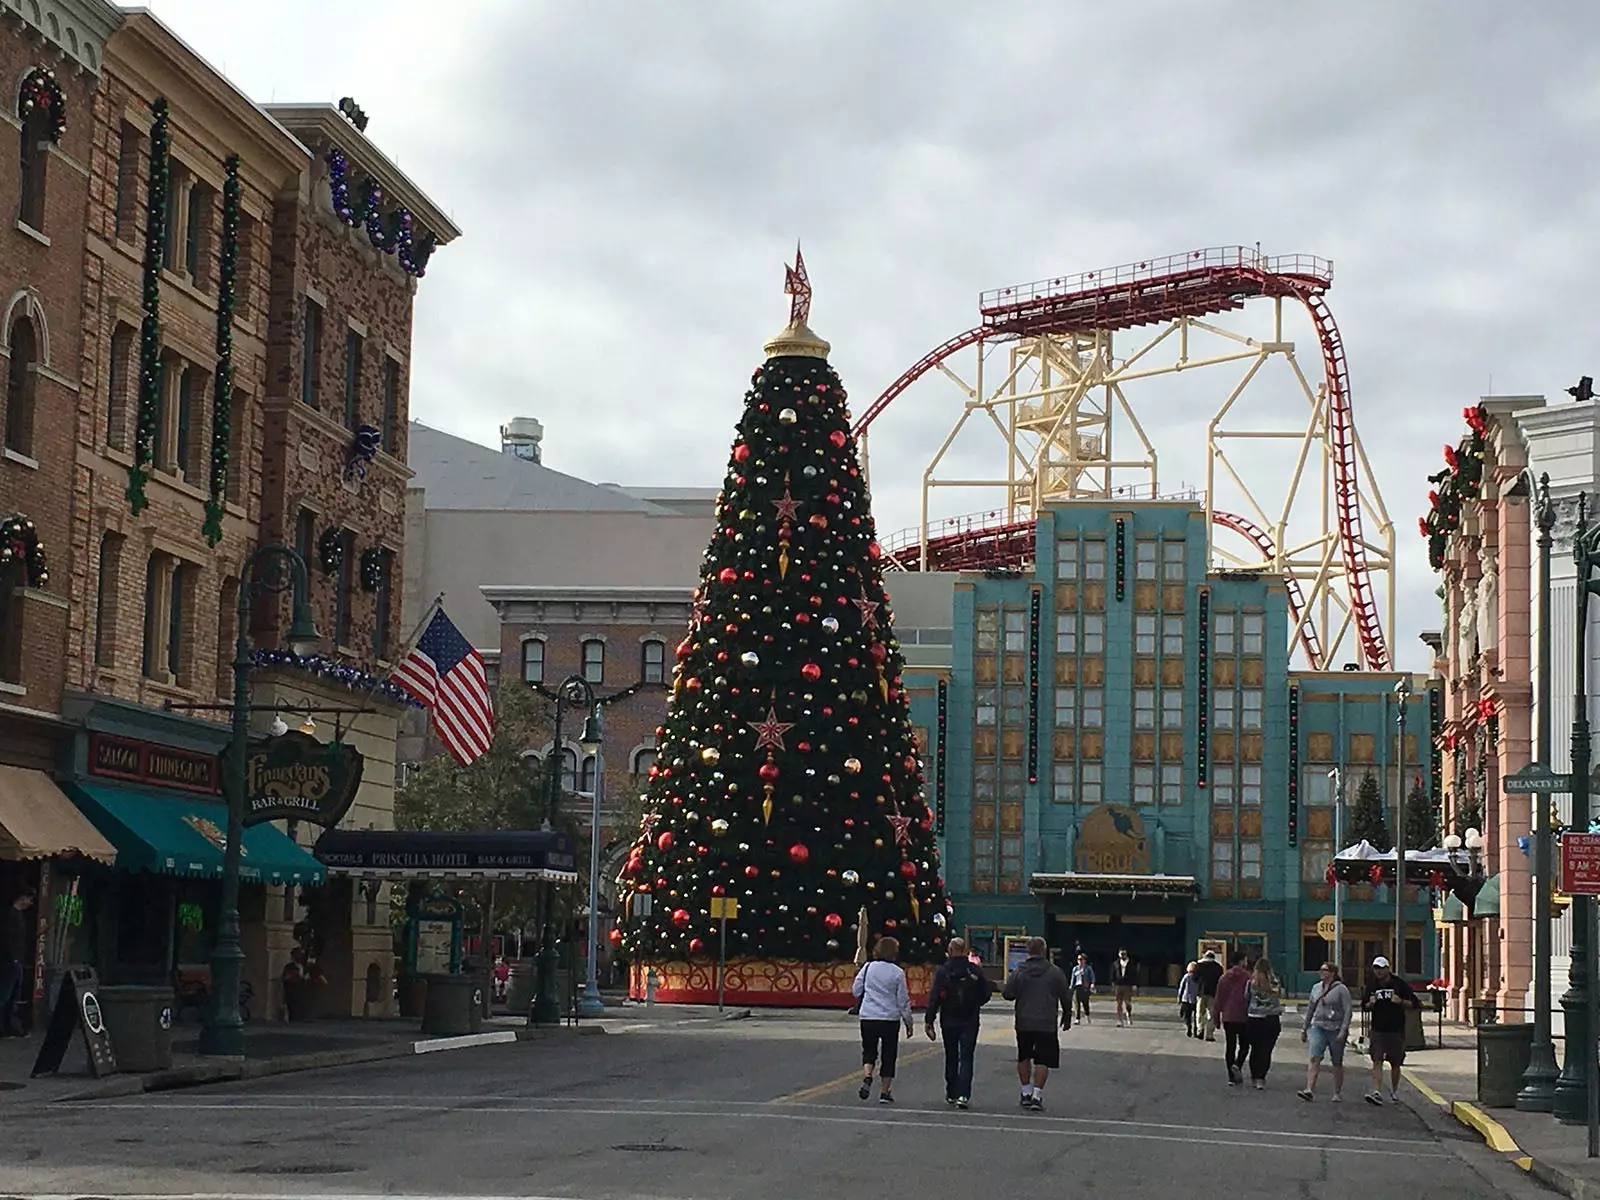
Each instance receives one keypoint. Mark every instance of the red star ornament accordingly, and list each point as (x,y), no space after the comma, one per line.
(902,827)
(770,731)
(787,506)
(869,611)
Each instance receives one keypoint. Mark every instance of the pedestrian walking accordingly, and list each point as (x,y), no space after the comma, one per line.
(1039,988)
(1188,994)
(1385,999)
(1123,985)
(1263,1019)
(1326,1030)
(1232,1005)
(885,999)
(959,990)
(13,959)
(1082,985)
(1210,972)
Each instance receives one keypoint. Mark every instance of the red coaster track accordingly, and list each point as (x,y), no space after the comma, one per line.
(1198,284)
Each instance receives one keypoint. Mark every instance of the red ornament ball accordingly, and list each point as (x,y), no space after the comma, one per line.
(811,672)
(727,575)
(908,869)
(680,917)
(615,936)
(719,890)
(696,945)
(838,438)
(664,841)
(741,452)
(752,871)
(874,550)
(799,854)
(833,922)
(768,772)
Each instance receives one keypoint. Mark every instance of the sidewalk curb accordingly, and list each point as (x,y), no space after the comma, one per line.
(237,1070)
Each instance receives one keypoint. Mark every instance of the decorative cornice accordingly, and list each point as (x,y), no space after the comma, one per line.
(78,28)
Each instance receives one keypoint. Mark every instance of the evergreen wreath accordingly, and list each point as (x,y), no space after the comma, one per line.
(40,90)
(222,413)
(330,550)
(374,569)
(20,539)
(155,249)
(392,232)
(1461,480)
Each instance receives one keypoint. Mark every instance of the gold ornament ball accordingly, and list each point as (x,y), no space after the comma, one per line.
(719,827)
(853,765)
(788,417)
(711,755)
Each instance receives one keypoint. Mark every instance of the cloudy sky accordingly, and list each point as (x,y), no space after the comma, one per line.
(630,178)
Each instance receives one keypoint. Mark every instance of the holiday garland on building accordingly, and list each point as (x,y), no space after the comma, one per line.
(19,541)
(374,568)
(40,90)
(361,206)
(330,550)
(357,679)
(222,381)
(155,249)
(1461,479)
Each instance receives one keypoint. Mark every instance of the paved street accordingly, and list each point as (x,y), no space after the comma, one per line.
(710,1109)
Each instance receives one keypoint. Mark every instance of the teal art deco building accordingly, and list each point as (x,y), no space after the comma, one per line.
(1119,755)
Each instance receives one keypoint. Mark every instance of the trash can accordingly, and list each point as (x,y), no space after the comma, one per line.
(519,987)
(139,1024)
(453,1005)
(1416,1033)
(1503,1054)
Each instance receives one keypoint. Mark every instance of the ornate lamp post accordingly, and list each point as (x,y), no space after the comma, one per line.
(270,570)
(1402,695)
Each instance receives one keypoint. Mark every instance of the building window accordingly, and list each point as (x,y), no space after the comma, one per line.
(1222,862)
(594,660)
(174,215)
(1016,626)
(587,780)
(344,589)
(1250,785)
(107,593)
(1094,560)
(1144,559)
(1172,562)
(1094,704)
(1222,633)
(1090,786)
(986,630)
(156,575)
(1254,623)
(1144,784)
(183,441)
(197,211)
(533,661)
(180,602)
(653,665)
(1067,559)
(238,443)
(1066,635)
(382,604)
(569,770)
(1171,783)
(1249,860)
(1066,708)
(1172,637)
(125,219)
(21,379)
(1094,634)
(985,706)
(983,781)
(1144,635)
(1222,708)
(1144,709)
(1065,780)
(352,379)
(390,429)
(305,537)
(1222,787)
(1250,709)
(1316,787)
(311,353)
(37,132)
(1172,709)
(643,761)
(118,374)
(227,633)
(1315,859)
(1012,701)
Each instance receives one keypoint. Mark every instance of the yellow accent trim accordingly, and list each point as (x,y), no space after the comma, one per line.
(1525,1162)
(1491,1130)
(1427,1091)
(822,1089)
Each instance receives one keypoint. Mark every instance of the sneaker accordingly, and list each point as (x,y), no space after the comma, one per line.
(1374,1098)
(963,1102)
(885,1098)
(1261,1085)
(865,1090)
(950,1100)
(1394,1095)
(1027,1102)
(1035,1104)
(1305,1095)
(1337,1098)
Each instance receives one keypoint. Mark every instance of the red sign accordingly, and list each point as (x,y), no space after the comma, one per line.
(1580,864)
(149,763)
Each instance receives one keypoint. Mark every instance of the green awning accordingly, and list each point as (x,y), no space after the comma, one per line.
(184,835)
(1486,905)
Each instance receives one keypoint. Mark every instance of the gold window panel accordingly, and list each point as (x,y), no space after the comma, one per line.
(1362,747)
(1144,747)
(1252,670)
(1172,598)
(1065,743)
(1094,671)
(1172,672)
(1144,597)
(1221,746)
(1223,671)
(1319,747)
(1093,745)
(1066,669)
(1066,597)
(1094,597)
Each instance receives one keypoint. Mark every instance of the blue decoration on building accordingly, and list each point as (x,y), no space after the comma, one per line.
(391,232)
(363,448)
(355,678)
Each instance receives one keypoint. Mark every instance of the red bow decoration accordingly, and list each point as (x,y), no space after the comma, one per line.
(1436,879)
(1329,877)
(1476,419)
(1485,710)
(1376,873)
(1450,456)
(1422,526)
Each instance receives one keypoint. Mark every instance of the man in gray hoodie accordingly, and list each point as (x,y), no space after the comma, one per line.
(1039,988)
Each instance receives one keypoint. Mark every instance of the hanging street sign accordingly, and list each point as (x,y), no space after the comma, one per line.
(1536,777)
(1580,864)
(297,778)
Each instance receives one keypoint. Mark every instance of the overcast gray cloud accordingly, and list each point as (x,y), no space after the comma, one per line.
(630,178)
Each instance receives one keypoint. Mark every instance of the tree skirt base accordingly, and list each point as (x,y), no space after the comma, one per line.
(763,983)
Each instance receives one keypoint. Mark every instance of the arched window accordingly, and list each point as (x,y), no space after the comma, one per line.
(20,377)
(586,780)
(569,769)
(121,370)
(643,760)
(653,661)
(37,133)
(594,660)
(533,661)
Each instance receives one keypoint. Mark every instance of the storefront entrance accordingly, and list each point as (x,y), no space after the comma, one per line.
(1154,942)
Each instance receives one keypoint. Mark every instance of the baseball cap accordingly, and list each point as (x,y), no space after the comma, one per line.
(1212,955)
(1380,961)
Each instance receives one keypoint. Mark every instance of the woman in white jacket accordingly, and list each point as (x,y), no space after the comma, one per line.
(885,999)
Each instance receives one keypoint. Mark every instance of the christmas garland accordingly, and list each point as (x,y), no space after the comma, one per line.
(222,382)
(393,232)
(40,90)
(354,678)
(155,249)
(1461,479)
(330,550)
(19,538)
(374,569)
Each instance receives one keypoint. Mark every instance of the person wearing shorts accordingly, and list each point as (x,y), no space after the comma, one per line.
(1039,990)
(1386,998)
(1326,1030)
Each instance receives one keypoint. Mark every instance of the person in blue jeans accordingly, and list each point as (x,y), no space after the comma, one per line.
(959,990)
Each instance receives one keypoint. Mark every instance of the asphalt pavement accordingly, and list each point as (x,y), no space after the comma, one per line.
(703,1108)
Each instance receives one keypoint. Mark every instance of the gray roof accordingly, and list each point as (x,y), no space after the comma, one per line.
(456,473)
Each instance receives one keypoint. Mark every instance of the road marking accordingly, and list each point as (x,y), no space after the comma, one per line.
(1425,1089)
(822,1089)
(1061,1127)
(464,1041)
(1492,1132)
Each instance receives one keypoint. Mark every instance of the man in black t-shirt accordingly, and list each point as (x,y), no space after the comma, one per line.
(1210,972)
(1385,999)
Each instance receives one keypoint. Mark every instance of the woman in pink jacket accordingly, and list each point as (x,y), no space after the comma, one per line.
(1233,1011)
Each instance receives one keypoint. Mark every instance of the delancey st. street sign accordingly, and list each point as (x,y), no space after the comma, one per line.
(1536,777)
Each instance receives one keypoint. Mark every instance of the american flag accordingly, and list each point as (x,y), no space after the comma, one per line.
(446,676)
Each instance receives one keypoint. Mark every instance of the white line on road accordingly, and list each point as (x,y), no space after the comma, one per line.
(1051,1127)
(464,1041)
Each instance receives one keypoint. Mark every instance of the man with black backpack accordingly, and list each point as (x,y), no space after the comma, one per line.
(959,990)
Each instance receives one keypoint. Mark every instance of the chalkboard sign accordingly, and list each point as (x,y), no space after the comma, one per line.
(77,1006)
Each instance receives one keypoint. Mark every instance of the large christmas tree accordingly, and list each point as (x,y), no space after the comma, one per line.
(787,774)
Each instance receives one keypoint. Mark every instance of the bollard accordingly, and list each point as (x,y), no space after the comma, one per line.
(650,983)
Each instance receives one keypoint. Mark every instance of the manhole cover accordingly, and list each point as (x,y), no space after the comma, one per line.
(647,1148)
(296,1169)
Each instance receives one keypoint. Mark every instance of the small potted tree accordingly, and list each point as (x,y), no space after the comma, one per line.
(304,982)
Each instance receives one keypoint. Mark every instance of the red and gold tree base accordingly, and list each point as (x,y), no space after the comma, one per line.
(763,983)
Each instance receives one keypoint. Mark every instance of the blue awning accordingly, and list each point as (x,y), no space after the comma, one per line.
(170,834)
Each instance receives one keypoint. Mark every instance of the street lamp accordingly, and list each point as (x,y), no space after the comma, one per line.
(1576,1095)
(1336,782)
(270,570)
(590,1004)
(1538,1092)
(1402,693)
